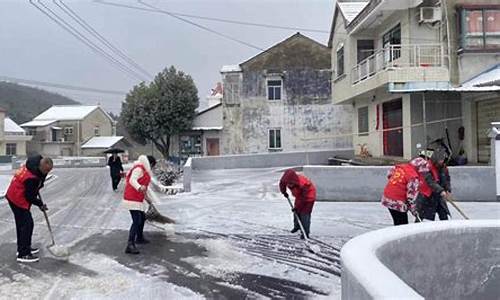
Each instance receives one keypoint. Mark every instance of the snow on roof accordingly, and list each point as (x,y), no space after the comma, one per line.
(11,126)
(351,9)
(103,142)
(66,112)
(230,68)
(487,78)
(208,128)
(38,123)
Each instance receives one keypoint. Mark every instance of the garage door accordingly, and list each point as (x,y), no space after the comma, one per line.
(487,111)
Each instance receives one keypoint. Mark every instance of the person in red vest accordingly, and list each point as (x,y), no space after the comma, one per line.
(135,197)
(304,192)
(434,185)
(401,191)
(23,192)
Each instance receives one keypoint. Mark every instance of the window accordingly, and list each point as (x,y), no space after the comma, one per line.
(480,28)
(97,131)
(32,131)
(11,149)
(274,138)
(391,42)
(231,93)
(363,121)
(274,89)
(340,61)
(68,130)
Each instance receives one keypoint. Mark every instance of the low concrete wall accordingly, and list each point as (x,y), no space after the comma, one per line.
(268,160)
(71,162)
(366,183)
(435,260)
(187,175)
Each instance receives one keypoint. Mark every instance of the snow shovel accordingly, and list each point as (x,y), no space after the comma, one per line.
(452,202)
(312,248)
(153,215)
(55,250)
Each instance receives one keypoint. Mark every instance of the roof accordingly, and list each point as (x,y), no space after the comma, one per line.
(66,112)
(38,123)
(351,9)
(209,108)
(11,126)
(208,128)
(102,142)
(488,78)
(230,68)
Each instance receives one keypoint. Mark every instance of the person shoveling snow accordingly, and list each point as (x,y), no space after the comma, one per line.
(136,197)
(23,192)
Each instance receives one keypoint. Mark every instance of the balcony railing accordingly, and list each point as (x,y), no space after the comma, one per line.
(398,56)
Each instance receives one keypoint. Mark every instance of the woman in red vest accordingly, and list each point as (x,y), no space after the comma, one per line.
(401,192)
(304,192)
(135,197)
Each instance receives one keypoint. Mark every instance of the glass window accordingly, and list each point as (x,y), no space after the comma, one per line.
(363,121)
(480,29)
(97,131)
(392,43)
(274,89)
(11,149)
(68,130)
(340,61)
(274,139)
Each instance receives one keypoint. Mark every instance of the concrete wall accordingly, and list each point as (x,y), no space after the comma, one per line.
(366,183)
(267,160)
(187,175)
(209,118)
(436,260)
(305,115)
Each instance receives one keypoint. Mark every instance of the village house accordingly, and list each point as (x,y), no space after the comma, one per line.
(62,130)
(13,138)
(415,71)
(280,100)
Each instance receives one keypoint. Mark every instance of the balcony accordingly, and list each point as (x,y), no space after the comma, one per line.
(399,57)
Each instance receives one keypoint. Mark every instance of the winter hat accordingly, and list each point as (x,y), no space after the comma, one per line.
(152,161)
(439,154)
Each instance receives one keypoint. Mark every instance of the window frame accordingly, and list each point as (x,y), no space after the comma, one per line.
(97,131)
(275,140)
(359,111)
(462,28)
(280,88)
(68,130)
(8,146)
(340,66)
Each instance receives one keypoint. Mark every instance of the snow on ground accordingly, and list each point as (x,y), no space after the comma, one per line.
(232,241)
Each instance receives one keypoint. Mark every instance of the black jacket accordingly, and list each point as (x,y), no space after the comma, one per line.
(115,166)
(33,185)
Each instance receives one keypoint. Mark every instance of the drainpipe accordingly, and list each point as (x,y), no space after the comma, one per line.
(444,4)
(495,154)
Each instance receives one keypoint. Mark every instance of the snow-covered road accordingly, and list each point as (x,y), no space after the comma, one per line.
(232,242)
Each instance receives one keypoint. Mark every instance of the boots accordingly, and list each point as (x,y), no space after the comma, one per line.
(131,249)
(142,241)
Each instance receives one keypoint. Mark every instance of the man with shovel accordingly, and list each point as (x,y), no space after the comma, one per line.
(23,192)
(304,192)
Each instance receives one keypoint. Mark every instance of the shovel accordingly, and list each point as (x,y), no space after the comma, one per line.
(312,248)
(55,250)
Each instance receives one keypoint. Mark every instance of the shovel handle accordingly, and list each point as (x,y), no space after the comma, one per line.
(298,221)
(48,225)
(449,199)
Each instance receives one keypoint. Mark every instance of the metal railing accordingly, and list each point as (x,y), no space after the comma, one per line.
(398,56)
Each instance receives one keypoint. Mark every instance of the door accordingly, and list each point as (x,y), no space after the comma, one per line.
(487,111)
(392,123)
(212,147)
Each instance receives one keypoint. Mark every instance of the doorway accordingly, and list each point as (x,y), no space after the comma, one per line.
(213,147)
(392,123)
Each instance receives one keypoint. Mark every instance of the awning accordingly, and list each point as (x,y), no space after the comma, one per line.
(56,128)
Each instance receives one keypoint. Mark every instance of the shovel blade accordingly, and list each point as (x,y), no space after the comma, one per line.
(58,251)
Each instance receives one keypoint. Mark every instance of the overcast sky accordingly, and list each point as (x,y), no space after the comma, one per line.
(34,47)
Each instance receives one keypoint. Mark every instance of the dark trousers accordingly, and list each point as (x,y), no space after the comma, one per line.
(137,227)
(399,218)
(115,180)
(305,219)
(428,207)
(24,229)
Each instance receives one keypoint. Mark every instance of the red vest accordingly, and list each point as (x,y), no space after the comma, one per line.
(396,187)
(16,190)
(305,195)
(131,194)
(425,189)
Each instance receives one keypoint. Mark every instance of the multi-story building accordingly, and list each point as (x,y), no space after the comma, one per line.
(61,130)
(411,70)
(280,100)
(13,138)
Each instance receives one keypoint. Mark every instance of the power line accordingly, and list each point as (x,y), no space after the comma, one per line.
(75,33)
(71,13)
(61,86)
(157,10)
(263,25)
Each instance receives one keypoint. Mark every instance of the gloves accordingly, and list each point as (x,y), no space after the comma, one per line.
(285,194)
(43,207)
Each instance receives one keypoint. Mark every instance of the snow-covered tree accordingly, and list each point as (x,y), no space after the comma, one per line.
(159,110)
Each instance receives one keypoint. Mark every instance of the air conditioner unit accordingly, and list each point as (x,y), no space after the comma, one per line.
(62,140)
(430,14)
